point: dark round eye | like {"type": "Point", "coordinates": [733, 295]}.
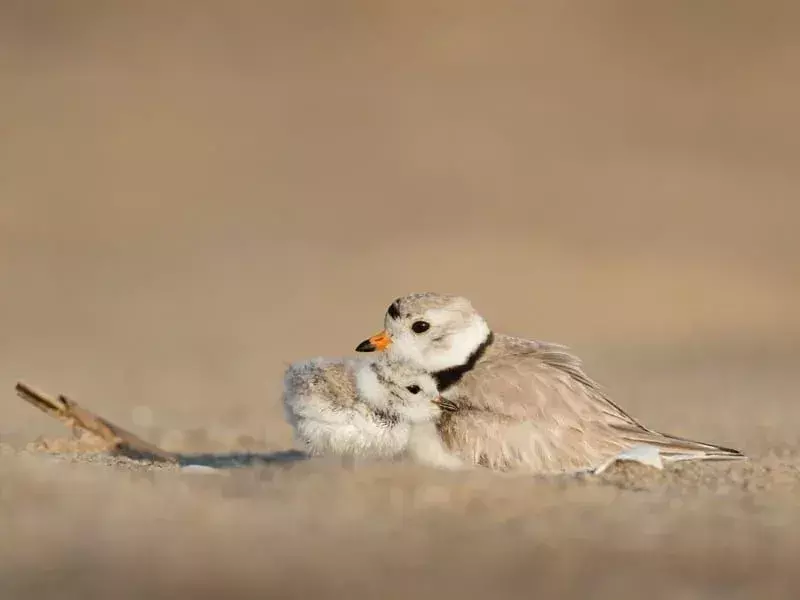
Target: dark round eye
{"type": "Point", "coordinates": [414, 389]}
{"type": "Point", "coordinates": [420, 326]}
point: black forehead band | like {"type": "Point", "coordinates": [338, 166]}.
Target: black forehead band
{"type": "Point", "coordinates": [394, 310]}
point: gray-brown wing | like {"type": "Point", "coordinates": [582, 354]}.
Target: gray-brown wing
{"type": "Point", "coordinates": [521, 412]}
{"type": "Point", "coordinates": [631, 431]}
{"type": "Point", "coordinates": [544, 382]}
{"type": "Point", "coordinates": [538, 409]}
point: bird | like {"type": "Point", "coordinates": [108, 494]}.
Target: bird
{"type": "Point", "coordinates": [515, 404]}
{"type": "Point", "coordinates": [376, 408]}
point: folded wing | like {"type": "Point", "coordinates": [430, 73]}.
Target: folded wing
{"type": "Point", "coordinates": [537, 409]}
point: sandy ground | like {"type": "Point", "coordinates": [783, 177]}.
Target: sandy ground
{"type": "Point", "coordinates": [193, 195]}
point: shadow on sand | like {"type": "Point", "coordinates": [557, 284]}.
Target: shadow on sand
{"type": "Point", "coordinates": [234, 460]}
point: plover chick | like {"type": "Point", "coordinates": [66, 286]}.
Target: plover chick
{"type": "Point", "coordinates": [513, 403]}
{"type": "Point", "coordinates": [369, 409]}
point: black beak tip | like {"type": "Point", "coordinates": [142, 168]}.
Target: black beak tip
{"type": "Point", "coordinates": [365, 346]}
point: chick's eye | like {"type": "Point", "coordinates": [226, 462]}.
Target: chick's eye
{"type": "Point", "coordinates": [414, 389]}
{"type": "Point", "coordinates": [420, 326]}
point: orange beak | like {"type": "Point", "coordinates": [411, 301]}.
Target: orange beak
{"type": "Point", "coordinates": [379, 341]}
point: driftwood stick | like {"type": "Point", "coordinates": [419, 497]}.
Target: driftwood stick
{"type": "Point", "coordinates": [118, 440]}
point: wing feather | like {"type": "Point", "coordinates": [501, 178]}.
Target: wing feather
{"type": "Point", "coordinates": [538, 409]}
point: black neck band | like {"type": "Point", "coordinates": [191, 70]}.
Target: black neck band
{"type": "Point", "coordinates": [449, 377]}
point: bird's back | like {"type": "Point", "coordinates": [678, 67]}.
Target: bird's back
{"type": "Point", "coordinates": [530, 405]}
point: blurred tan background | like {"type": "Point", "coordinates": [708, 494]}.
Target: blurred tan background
{"type": "Point", "coordinates": [194, 194]}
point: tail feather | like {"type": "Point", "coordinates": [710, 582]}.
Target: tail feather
{"type": "Point", "coordinates": [675, 449]}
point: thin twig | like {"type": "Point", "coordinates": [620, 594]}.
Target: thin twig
{"type": "Point", "coordinates": [118, 440]}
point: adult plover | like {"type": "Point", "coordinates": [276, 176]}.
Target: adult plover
{"type": "Point", "coordinates": [516, 404]}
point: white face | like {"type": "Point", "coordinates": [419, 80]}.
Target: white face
{"type": "Point", "coordinates": [436, 338]}
{"type": "Point", "coordinates": [399, 387]}
{"type": "Point", "coordinates": [431, 331]}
